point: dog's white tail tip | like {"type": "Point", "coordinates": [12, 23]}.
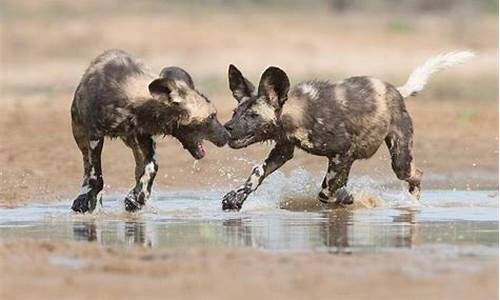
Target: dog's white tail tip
{"type": "Point", "coordinates": [418, 78]}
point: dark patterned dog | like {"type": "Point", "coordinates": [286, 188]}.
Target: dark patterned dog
{"type": "Point", "coordinates": [343, 121]}
{"type": "Point", "coordinates": [117, 97]}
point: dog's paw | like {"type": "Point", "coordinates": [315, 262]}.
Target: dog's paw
{"type": "Point", "coordinates": [340, 197]}
{"type": "Point", "coordinates": [415, 190]}
{"type": "Point", "coordinates": [83, 203]}
{"type": "Point", "coordinates": [233, 200]}
{"type": "Point", "coordinates": [343, 197]}
{"type": "Point", "coordinates": [131, 203]}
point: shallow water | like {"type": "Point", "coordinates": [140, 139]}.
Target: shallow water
{"type": "Point", "coordinates": [278, 218]}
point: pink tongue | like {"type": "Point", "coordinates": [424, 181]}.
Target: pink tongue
{"type": "Point", "coordinates": [201, 149]}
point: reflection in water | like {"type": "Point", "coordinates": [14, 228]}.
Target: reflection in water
{"type": "Point", "coordinates": [237, 233]}
{"type": "Point", "coordinates": [127, 232]}
{"type": "Point", "coordinates": [178, 221]}
{"type": "Point", "coordinates": [337, 231]}
{"type": "Point", "coordinates": [135, 233]}
{"type": "Point", "coordinates": [407, 238]}
{"type": "Point", "coordinates": [85, 231]}
{"type": "Point", "coordinates": [334, 232]}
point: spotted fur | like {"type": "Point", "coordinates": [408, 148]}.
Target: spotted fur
{"type": "Point", "coordinates": [119, 97]}
{"type": "Point", "coordinates": [344, 121]}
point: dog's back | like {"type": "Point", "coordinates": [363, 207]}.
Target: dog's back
{"type": "Point", "coordinates": [109, 85]}
{"type": "Point", "coordinates": [349, 115]}
{"type": "Point", "coordinates": [343, 121]}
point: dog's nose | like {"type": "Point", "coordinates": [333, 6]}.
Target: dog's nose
{"type": "Point", "coordinates": [229, 127]}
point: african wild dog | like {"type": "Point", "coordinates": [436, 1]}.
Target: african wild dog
{"type": "Point", "coordinates": [344, 121]}
{"type": "Point", "coordinates": [118, 97]}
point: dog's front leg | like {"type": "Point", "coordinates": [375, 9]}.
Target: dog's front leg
{"type": "Point", "coordinates": [333, 190]}
{"type": "Point", "coordinates": [280, 154]}
{"type": "Point", "coordinates": [92, 179]}
{"type": "Point", "coordinates": [143, 147]}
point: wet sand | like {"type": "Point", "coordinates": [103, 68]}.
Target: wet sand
{"type": "Point", "coordinates": [62, 270]}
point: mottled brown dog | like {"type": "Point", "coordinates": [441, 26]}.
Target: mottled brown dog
{"type": "Point", "coordinates": [344, 121]}
{"type": "Point", "coordinates": [118, 97]}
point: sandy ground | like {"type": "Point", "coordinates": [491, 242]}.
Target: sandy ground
{"type": "Point", "coordinates": [72, 270]}
{"type": "Point", "coordinates": [45, 48]}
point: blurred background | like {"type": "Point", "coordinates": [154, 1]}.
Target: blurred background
{"type": "Point", "coordinates": [47, 45]}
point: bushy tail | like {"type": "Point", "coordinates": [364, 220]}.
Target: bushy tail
{"type": "Point", "coordinates": [418, 78]}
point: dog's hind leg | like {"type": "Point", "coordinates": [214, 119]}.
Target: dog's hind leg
{"type": "Point", "coordinates": [280, 154]}
{"type": "Point", "coordinates": [143, 148]}
{"type": "Point", "coordinates": [92, 175]}
{"type": "Point", "coordinates": [400, 144]}
{"type": "Point", "coordinates": [332, 188]}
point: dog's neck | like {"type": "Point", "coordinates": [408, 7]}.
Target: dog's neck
{"type": "Point", "coordinates": [155, 118]}
{"type": "Point", "coordinates": [279, 131]}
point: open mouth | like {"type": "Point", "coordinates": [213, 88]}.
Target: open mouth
{"type": "Point", "coordinates": [191, 140]}
{"type": "Point", "coordinates": [198, 150]}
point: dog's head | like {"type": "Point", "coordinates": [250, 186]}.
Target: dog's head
{"type": "Point", "coordinates": [197, 116]}
{"type": "Point", "coordinates": [255, 117]}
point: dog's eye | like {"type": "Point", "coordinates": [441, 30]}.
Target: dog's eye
{"type": "Point", "coordinates": [253, 115]}
{"type": "Point", "coordinates": [211, 117]}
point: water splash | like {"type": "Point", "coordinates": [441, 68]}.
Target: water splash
{"type": "Point", "coordinates": [299, 190]}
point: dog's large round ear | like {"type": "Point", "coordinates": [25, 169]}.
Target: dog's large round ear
{"type": "Point", "coordinates": [160, 87]}
{"type": "Point", "coordinates": [238, 84]}
{"type": "Point", "coordinates": [274, 85]}
{"type": "Point", "coordinates": [176, 73]}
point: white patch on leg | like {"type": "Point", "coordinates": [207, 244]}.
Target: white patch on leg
{"type": "Point", "coordinates": [149, 170]}
{"type": "Point", "coordinates": [92, 173]}
{"type": "Point", "coordinates": [254, 179]}
{"type": "Point", "coordinates": [98, 205]}
{"type": "Point", "coordinates": [415, 173]}
{"type": "Point", "coordinates": [329, 176]}
{"type": "Point", "coordinates": [93, 144]}
{"type": "Point", "coordinates": [85, 189]}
